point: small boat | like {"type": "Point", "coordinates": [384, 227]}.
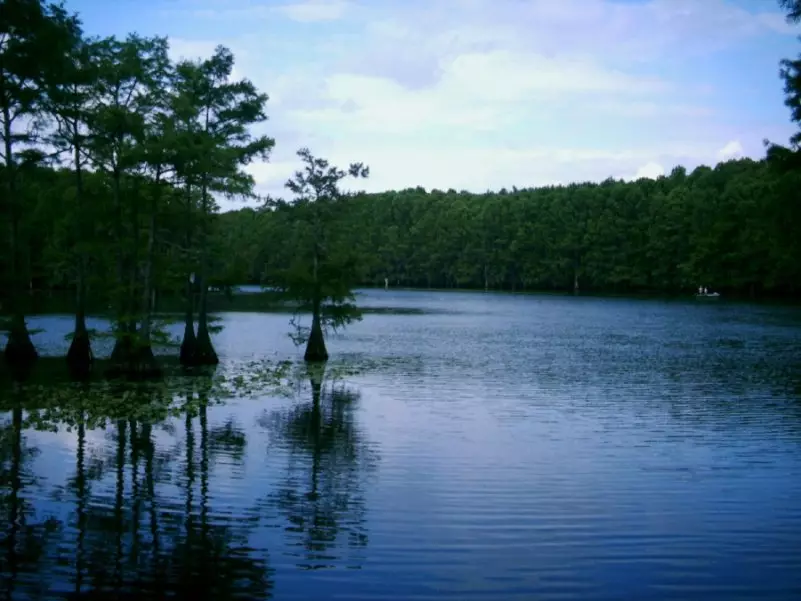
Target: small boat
{"type": "Point", "coordinates": [703, 292]}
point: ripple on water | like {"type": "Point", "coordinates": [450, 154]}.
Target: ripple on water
{"type": "Point", "coordinates": [481, 447]}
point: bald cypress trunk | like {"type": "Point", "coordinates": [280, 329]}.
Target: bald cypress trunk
{"type": "Point", "coordinates": [315, 347]}
{"type": "Point", "coordinates": [204, 349]}
{"type": "Point", "coordinates": [79, 355]}
{"type": "Point", "coordinates": [189, 342]}
{"type": "Point", "coordinates": [123, 341]}
{"type": "Point", "coordinates": [145, 364]}
{"type": "Point", "coordinates": [19, 351]}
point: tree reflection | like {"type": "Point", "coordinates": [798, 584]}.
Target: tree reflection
{"type": "Point", "coordinates": [26, 535]}
{"type": "Point", "coordinates": [321, 494]}
{"type": "Point", "coordinates": [142, 523]}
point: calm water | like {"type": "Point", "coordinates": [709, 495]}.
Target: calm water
{"type": "Point", "coordinates": [491, 447]}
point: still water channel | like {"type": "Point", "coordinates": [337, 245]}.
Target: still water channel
{"type": "Point", "coordinates": [460, 446]}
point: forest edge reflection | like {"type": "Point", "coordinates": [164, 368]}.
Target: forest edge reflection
{"type": "Point", "coordinates": [128, 532]}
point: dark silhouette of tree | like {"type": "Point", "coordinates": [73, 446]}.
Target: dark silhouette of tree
{"type": "Point", "coordinates": [321, 269]}
{"type": "Point", "coordinates": [321, 496]}
{"type": "Point", "coordinates": [793, 8]}
{"type": "Point", "coordinates": [132, 536]}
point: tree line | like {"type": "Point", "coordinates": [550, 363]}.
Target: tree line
{"type": "Point", "coordinates": [114, 156]}
{"type": "Point", "coordinates": [731, 227]}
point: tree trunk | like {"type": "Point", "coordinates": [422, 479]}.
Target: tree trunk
{"type": "Point", "coordinates": [204, 350]}
{"type": "Point", "coordinates": [79, 355]}
{"type": "Point", "coordinates": [19, 352]}
{"type": "Point", "coordinates": [146, 365]}
{"type": "Point", "coordinates": [123, 343]}
{"type": "Point", "coordinates": [189, 342]}
{"type": "Point", "coordinates": [315, 347]}
{"type": "Point", "coordinates": [147, 285]}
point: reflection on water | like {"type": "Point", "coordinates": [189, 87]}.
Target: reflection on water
{"type": "Point", "coordinates": [319, 493]}
{"type": "Point", "coordinates": [139, 510]}
{"type": "Point", "coordinates": [486, 447]}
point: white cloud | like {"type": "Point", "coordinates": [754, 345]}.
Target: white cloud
{"type": "Point", "coordinates": [315, 10]}
{"type": "Point", "coordinates": [477, 169]}
{"type": "Point", "coordinates": [182, 49]}
{"type": "Point", "coordinates": [651, 170]}
{"type": "Point", "coordinates": [481, 94]}
{"type": "Point", "coordinates": [303, 11]}
{"type": "Point", "coordinates": [504, 75]}
{"type": "Point", "coordinates": [645, 108]}
{"type": "Point", "coordinates": [421, 32]}
{"type": "Point", "coordinates": [731, 150]}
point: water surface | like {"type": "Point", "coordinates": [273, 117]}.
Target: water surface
{"type": "Point", "coordinates": [480, 446]}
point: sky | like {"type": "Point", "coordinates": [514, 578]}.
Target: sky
{"type": "Point", "coordinates": [483, 94]}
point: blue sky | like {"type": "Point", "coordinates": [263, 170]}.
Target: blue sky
{"type": "Point", "coordinates": [482, 94]}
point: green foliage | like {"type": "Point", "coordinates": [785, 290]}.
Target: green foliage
{"type": "Point", "coordinates": [316, 266]}
{"type": "Point", "coordinates": [32, 35]}
{"type": "Point", "coordinates": [793, 8]}
{"type": "Point", "coordinates": [53, 404]}
{"type": "Point", "coordinates": [216, 115]}
{"type": "Point", "coordinates": [334, 317]}
{"type": "Point", "coordinates": [141, 147]}
{"type": "Point", "coordinates": [791, 74]}
{"type": "Point", "coordinates": [729, 228]}
{"type": "Point", "coordinates": [782, 158]}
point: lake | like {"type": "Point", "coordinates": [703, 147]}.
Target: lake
{"type": "Point", "coordinates": [461, 446]}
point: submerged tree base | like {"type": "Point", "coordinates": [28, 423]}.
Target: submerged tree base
{"type": "Point", "coordinates": [204, 350]}
{"type": "Point", "coordinates": [315, 347]}
{"type": "Point", "coordinates": [133, 362]}
{"type": "Point", "coordinates": [123, 349]}
{"type": "Point", "coordinates": [144, 365]}
{"type": "Point", "coordinates": [188, 346]}
{"type": "Point", "coordinates": [79, 356]}
{"type": "Point", "coordinates": [19, 352]}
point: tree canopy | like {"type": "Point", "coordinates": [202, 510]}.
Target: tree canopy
{"type": "Point", "coordinates": [730, 227]}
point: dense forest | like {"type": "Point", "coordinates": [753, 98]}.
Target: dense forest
{"type": "Point", "coordinates": [114, 157]}
{"type": "Point", "coordinates": [731, 228]}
